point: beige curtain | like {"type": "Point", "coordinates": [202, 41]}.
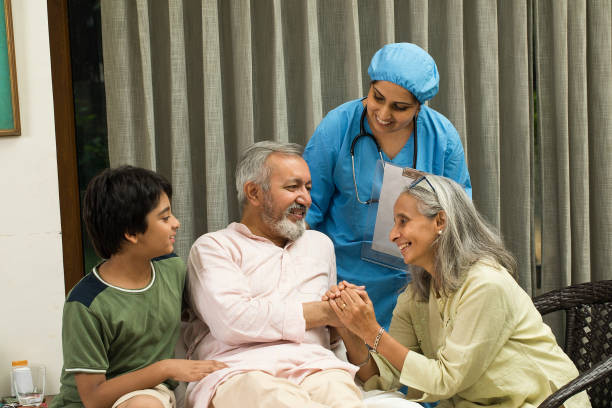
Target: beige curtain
{"type": "Point", "coordinates": [191, 83]}
{"type": "Point", "coordinates": [574, 87]}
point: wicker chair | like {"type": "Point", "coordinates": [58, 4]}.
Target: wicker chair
{"type": "Point", "coordinates": [588, 339]}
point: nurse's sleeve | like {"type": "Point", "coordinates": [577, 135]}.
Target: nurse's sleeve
{"type": "Point", "coordinates": [455, 166]}
{"type": "Point", "coordinates": [321, 154]}
{"type": "Point", "coordinates": [482, 325]}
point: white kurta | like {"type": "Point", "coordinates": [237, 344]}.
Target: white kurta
{"type": "Point", "coordinates": [249, 292]}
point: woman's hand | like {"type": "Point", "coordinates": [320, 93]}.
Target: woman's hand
{"type": "Point", "coordinates": [335, 290]}
{"type": "Point", "coordinates": [356, 312]}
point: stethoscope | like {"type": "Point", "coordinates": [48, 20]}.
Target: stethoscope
{"type": "Point", "coordinates": [363, 133]}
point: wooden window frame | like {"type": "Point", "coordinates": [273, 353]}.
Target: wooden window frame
{"type": "Point", "coordinates": [65, 140]}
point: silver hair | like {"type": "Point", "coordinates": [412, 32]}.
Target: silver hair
{"type": "Point", "coordinates": [466, 238]}
{"type": "Point", "coordinates": [252, 164]}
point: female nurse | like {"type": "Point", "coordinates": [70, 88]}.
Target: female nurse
{"type": "Point", "coordinates": [394, 125]}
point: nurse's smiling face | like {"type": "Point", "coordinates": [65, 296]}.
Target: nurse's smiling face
{"type": "Point", "coordinates": [391, 109]}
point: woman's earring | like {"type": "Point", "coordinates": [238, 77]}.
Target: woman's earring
{"type": "Point", "coordinates": [439, 232]}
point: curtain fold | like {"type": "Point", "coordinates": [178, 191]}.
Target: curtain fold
{"type": "Point", "coordinates": [481, 66]}
{"type": "Point", "coordinates": [190, 84]}
{"type": "Point", "coordinates": [599, 60]}
{"type": "Point", "coordinates": [515, 146]}
{"type": "Point", "coordinates": [574, 88]}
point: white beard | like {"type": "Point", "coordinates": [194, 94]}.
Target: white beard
{"type": "Point", "coordinates": [289, 229]}
{"type": "Point", "coordinates": [284, 227]}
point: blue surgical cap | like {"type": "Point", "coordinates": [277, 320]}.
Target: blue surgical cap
{"type": "Point", "coordinates": [408, 66]}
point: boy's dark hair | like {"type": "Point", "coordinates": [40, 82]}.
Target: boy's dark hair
{"type": "Point", "coordinates": [117, 201]}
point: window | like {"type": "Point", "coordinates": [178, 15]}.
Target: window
{"type": "Point", "coordinates": [89, 101]}
{"type": "Point", "coordinates": [80, 119]}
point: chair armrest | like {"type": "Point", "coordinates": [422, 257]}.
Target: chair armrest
{"type": "Point", "coordinates": [580, 383]}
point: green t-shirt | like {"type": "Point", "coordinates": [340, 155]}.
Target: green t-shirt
{"type": "Point", "coordinates": [113, 331]}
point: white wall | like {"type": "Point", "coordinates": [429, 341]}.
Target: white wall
{"type": "Point", "coordinates": [31, 269]}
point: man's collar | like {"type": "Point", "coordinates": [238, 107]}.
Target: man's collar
{"type": "Point", "coordinates": [244, 230]}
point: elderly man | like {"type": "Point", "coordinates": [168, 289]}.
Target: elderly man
{"type": "Point", "coordinates": [257, 285]}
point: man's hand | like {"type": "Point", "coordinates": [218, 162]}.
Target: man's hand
{"type": "Point", "coordinates": [335, 290]}
{"type": "Point", "coordinates": [191, 370]}
{"type": "Point", "coordinates": [319, 314]}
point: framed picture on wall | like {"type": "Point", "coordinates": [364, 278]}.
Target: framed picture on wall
{"type": "Point", "coordinates": [9, 101]}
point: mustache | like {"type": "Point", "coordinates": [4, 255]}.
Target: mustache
{"type": "Point", "coordinates": [296, 206]}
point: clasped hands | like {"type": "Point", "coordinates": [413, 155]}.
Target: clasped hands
{"type": "Point", "coordinates": [354, 309]}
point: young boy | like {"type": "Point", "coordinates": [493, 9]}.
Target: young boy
{"type": "Point", "coordinates": [121, 321]}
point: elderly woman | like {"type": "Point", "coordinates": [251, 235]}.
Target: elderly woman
{"type": "Point", "coordinates": [463, 331]}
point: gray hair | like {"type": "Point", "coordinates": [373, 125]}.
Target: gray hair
{"type": "Point", "coordinates": [466, 239]}
{"type": "Point", "coordinates": [252, 165]}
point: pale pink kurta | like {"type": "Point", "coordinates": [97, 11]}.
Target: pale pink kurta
{"type": "Point", "coordinates": [249, 292]}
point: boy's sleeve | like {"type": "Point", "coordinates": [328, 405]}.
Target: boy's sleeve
{"type": "Point", "coordinates": [82, 340]}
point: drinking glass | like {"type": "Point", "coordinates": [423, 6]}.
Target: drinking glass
{"type": "Point", "coordinates": [29, 382]}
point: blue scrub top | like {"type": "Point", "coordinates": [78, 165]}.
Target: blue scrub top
{"type": "Point", "coordinates": [335, 210]}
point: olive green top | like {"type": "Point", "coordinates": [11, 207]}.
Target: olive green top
{"type": "Point", "coordinates": [483, 345]}
{"type": "Point", "coordinates": [112, 331]}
